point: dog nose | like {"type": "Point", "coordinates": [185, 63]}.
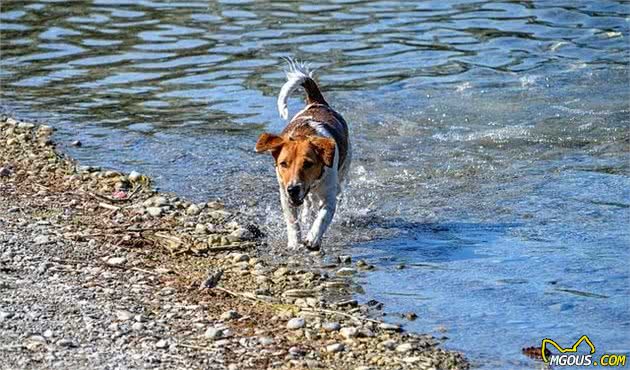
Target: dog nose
{"type": "Point", "coordinates": [293, 191]}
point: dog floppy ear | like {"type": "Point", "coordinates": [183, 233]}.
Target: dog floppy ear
{"type": "Point", "coordinates": [325, 147]}
{"type": "Point", "coordinates": [267, 142]}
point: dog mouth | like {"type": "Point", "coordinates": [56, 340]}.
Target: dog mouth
{"type": "Point", "coordinates": [298, 202]}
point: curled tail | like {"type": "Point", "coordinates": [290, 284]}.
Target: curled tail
{"type": "Point", "coordinates": [298, 74]}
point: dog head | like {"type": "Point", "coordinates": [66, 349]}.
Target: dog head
{"type": "Point", "coordinates": [299, 161]}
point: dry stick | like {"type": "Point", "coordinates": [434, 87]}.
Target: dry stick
{"type": "Point", "coordinates": [109, 206]}
{"type": "Point", "coordinates": [321, 310]}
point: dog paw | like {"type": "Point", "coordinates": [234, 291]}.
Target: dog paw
{"type": "Point", "coordinates": [311, 246]}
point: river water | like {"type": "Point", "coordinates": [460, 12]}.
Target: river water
{"type": "Point", "coordinates": [491, 140]}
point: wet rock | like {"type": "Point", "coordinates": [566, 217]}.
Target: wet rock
{"type": "Point", "coordinates": [154, 211]}
{"type": "Point", "coordinates": [345, 259]}
{"type": "Point", "coordinates": [213, 333]}
{"type": "Point", "coordinates": [296, 323]}
{"type": "Point", "coordinates": [389, 344]}
{"type": "Point", "coordinates": [161, 344]}
{"type": "Point", "coordinates": [331, 326]}
{"type": "Point", "coordinates": [349, 332]}
{"type": "Point", "coordinates": [335, 347]}
{"type": "Point", "coordinates": [410, 316]}
{"type": "Point", "coordinates": [77, 143]}
{"type": "Point", "coordinates": [391, 327]}
{"type": "Point", "coordinates": [346, 271]}
{"type": "Point", "coordinates": [134, 176]}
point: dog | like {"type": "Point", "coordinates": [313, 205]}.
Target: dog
{"type": "Point", "coordinates": [311, 156]}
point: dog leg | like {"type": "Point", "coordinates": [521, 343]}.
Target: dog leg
{"type": "Point", "coordinates": [291, 218]}
{"type": "Point", "coordinates": [322, 221]}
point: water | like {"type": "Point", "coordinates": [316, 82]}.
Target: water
{"type": "Point", "coordinates": [491, 140]}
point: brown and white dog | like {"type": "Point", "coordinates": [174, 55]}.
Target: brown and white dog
{"type": "Point", "coordinates": [312, 157]}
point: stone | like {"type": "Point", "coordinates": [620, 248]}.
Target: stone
{"type": "Point", "coordinates": [281, 271]}
{"type": "Point", "coordinates": [230, 315]}
{"type": "Point", "coordinates": [349, 332]}
{"type": "Point", "coordinates": [154, 211]}
{"type": "Point", "coordinates": [346, 271]}
{"type": "Point", "coordinates": [345, 259]}
{"type": "Point", "coordinates": [265, 341]}
{"type": "Point", "coordinates": [242, 234]}
{"type": "Point", "coordinates": [212, 279]}
{"type": "Point", "coordinates": [240, 257]}
{"type": "Point", "coordinates": [76, 143]}
{"type": "Point", "coordinates": [298, 293]}
{"type": "Point", "coordinates": [5, 171]}
{"type": "Point", "coordinates": [213, 333]}
{"type": "Point", "coordinates": [42, 239]}
{"type": "Point", "coordinates": [335, 347]}
{"type": "Point", "coordinates": [123, 315]}
{"type": "Point", "coordinates": [386, 326]}
{"type": "Point", "coordinates": [389, 344]}
{"type": "Point", "coordinates": [331, 326]}
{"type": "Point", "coordinates": [116, 261]}
{"type": "Point", "coordinates": [404, 348]}
{"type": "Point", "coordinates": [201, 229]}
{"type": "Point", "coordinates": [193, 210]}
{"type": "Point", "coordinates": [410, 316]}
{"type": "Point", "coordinates": [161, 344]}
{"type": "Point", "coordinates": [5, 315]}
{"type": "Point", "coordinates": [137, 326]}
{"type": "Point", "coordinates": [296, 323]}
{"type": "Point", "coordinates": [134, 176]}
{"type": "Point", "coordinates": [48, 333]}
{"type": "Point", "coordinates": [67, 343]}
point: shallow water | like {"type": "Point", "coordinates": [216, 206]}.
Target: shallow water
{"type": "Point", "coordinates": [491, 140]}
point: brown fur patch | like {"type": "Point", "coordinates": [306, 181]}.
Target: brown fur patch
{"type": "Point", "coordinates": [299, 161]}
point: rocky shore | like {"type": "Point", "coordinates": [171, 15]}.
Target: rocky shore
{"type": "Point", "coordinates": [99, 271]}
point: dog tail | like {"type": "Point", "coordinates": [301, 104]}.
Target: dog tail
{"type": "Point", "coordinates": [298, 74]}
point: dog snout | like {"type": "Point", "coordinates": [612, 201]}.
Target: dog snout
{"type": "Point", "coordinates": [294, 191]}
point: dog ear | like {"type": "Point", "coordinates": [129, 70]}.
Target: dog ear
{"type": "Point", "coordinates": [325, 147]}
{"type": "Point", "coordinates": [267, 142]}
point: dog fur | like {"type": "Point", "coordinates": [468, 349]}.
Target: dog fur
{"type": "Point", "coordinates": [312, 157]}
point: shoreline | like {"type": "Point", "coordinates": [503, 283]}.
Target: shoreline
{"type": "Point", "coordinates": [99, 270]}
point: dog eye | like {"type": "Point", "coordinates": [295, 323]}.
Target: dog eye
{"type": "Point", "coordinates": [284, 164]}
{"type": "Point", "coordinates": [308, 165]}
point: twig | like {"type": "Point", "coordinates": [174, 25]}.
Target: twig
{"type": "Point", "coordinates": [109, 206]}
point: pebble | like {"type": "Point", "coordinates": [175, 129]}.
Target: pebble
{"type": "Point", "coordinates": [345, 259]}
{"type": "Point", "coordinates": [116, 261]}
{"type": "Point", "coordinates": [331, 326]}
{"type": "Point", "coordinates": [42, 239]}
{"type": "Point", "coordinates": [240, 257]}
{"type": "Point", "coordinates": [5, 172]}
{"type": "Point", "coordinates": [161, 344]}
{"type": "Point", "coordinates": [298, 293]}
{"type": "Point", "coordinates": [76, 143]}
{"type": "Point", "coordinates": [201, 229]}
{"type": "Point", "coordinates": [123, 315]}
{"type": "Point", "coordinates": [335, 347]}
{"type": "Point", "coordinates": [296, 323]}
{"type": "Point", "coordinates": [346, 271]}
{"type": "Point", "coordinates": [349, 332]}
{"type": "Point", "coordinates": [230, 315]}
{"type": "Point", "coordinates": [386, 326]}
{"type": "Point", "coordinates": [389, 344]}
{"type": "Point", "coordinates": [265, 341]}
{"type": "Point", "coordinates": [134, 176]}
{"type": "Point", "coordinates": [5, 315]}
{"type": "Point", "coordinates": [281, 272]}
{"type": "Point", "coordinates": [154, 211]}
{"type": "Point", "coordinates": [48, 333]}
{"type": "Point", "coordinates": [137, 326]}
{"type": "Point", "coordinates": [193, 210]}
{"type": "Point", "coordinates": [404, 348]}
{"type": "Point", "coordinates": [213, 333]}
{"type": "Point", "coordinates": [68, 343]}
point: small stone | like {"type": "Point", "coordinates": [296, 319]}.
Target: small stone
{"type": "Point", "coordinates": [296, 323]}
{"type": "Point", "coordinates": [67, 343]}
{"type": "Point", "coordinates": [361, 263]}
{"type": "Point", "coordinates": [161, 344]}
{"type": "Point", "coordinates": [298, 293]}
{"type": "Point", "coordinates": [400, 266]}
{"type": "Point", "coordinates": [265, 341]}
{"type": "Point", "coordinates": [213, 333]}
{"type": "Point", "coordinates": [346, 271]}
{"type": "Point", "coordinates": [335, 347]}
{"type": "Point", "coordinates": [5, 315]}
{"type": "Point", "coordinates": [349, 332]}
{"type": "Point", "coordinates": [5, 172]}
{"type": "Point", "coordinates": [242, 234]}
{"type": "Point", "coordinates": [404, 348]}
{"type": "Point", "coordinates": [386, 326]}
{"type": "Point", "coordinates": [345, 259]}
{"type": "Point", "coordinates": [389, 344]}
{"type": "Point", "coordinates": [240, 257]}
{"type": "Point", "coordinates": [331, 326]}
{"type": "Point", "coordinates": [230, 315]}
{"type": "Point", "coordinates": [123, 315]}
{"type": "Point", "coordinates": [281, 272]}
{"type": "Point", "coordinates": [193, 210]}
{"type": "Point", "coordinates": [42, 239]}
{"type": "Point", "coordinates": [48, 333]}
{"type": "Point", "coordinates": [116, 261]}
{"type": "Point", "coordinates": [154, 211]}
{"type": "Point", "coordinates": [76, 143]}
{"type": "Point", "coordinates": [201, 229]}
{"type": "Point", "coordinates": [212, 279]}
{"type": "Point", "coordinates": [134, 176]}
{"type": "Point", "coordinates": [410, 316]}
{"type": "Point", "coordinates": [25, 125]}
{"type": "Point", "coordinates": [137, 326]}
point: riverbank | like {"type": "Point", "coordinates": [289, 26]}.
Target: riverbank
{"type": "Point", "coordinates": [98, 270]}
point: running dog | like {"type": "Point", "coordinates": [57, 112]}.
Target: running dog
{"type": "Point", "coordinates": [311, 156]}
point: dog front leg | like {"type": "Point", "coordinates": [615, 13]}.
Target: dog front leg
{"type": "Point", "coordinates": [322, 221]}
{"type": "Point", "coordinates": [291, 218]}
